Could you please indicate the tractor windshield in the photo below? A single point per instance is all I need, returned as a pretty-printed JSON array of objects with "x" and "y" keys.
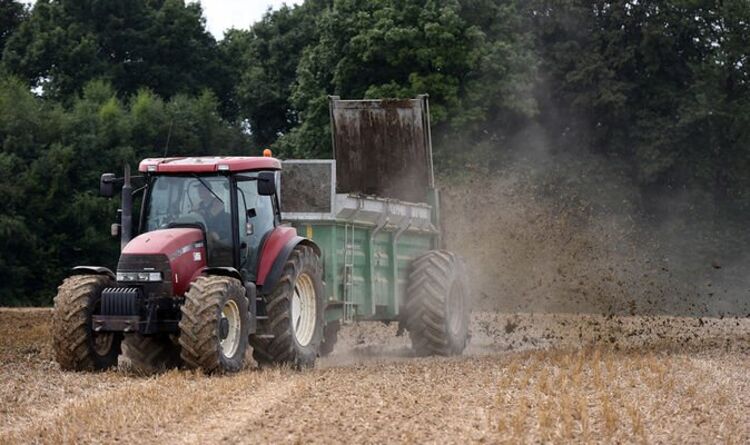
[{"x": 203, "y": 200}]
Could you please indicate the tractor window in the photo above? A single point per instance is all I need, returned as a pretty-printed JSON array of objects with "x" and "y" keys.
[
  {"x": 253, "y": 226},
  {"x": 204, "y": 200}
]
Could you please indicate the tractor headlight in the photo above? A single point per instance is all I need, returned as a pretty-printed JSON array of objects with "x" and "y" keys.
[
  {"x": 142, "y": 277},
  {"x": 127, "y": 276}
]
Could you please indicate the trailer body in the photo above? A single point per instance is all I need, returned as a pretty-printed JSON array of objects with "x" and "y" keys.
[{"x": 372, "y": 210}]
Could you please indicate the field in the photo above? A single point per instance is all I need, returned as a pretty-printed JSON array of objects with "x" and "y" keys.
[{"x": 525, "y": 378}]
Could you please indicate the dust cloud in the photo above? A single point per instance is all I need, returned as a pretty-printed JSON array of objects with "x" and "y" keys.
[{"x": 547, "y": 231}]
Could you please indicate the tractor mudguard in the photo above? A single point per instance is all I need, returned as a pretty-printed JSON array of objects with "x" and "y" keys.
[
  {"x": 95, "y": 270},
  {"x": 224, "y": 272},
  {"x": 275, "y": 253}
]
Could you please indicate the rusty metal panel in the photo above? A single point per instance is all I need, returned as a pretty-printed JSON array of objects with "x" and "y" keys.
[{"x": 383, "y": 147}]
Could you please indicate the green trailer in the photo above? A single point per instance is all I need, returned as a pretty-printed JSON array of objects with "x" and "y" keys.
[{"x": 374, "y": 213}]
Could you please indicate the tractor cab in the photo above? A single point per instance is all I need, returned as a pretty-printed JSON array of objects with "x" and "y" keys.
[{"x": 233, "y": 209}]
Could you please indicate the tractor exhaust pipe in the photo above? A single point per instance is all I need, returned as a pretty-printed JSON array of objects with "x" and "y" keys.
[{"x": 126, "y": 229}]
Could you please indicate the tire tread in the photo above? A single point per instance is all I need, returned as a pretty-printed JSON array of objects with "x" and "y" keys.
[{"x": 430, "y": 283}]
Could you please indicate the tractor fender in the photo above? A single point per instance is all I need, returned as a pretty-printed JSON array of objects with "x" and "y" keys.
[
  {"x": 275, "y": 253},
  {"x": 93, "y": 270},
  {"x": 230, "y": 272}
]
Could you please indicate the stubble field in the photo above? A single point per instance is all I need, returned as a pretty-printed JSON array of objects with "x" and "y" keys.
[{"x": 525, "y": 378}]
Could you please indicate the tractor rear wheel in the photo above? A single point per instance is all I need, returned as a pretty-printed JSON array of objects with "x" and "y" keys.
[
  {"x": 437, "y": 315},
  {"x": 295, "y": 313},
  {"x": 151, "y": 354},
  {"x": 215, "y": 324},
  {"x": 77, "y": 347}
]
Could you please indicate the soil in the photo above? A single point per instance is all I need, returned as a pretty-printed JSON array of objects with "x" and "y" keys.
[{"x": 524, "y": 378}]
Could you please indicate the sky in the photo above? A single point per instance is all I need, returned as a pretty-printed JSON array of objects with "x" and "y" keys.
[{"x": 224, "y": 14}]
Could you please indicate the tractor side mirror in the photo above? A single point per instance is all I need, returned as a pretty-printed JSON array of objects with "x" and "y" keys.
[
  {"x": 266, "y": 183},
  {"x": 107, "y": 185}
]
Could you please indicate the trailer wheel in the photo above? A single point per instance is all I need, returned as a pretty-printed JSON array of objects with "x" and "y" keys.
[
  {"x": 295, "y": 313},
  {"x": 436, "y": 308},
  {"x": 77, "y": 347},
  {"x": 150, "y": 354},
  {"x": 214, "y": 325},
  {"x": 330, "y": 337}
]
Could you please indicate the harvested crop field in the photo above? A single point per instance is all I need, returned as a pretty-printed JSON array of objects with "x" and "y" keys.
[{"x": 525, "y": 378}]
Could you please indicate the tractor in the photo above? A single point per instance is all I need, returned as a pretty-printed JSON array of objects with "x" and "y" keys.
[{"x": 214, "y": 264}]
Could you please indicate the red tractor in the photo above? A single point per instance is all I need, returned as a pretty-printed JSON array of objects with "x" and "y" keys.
[{"x": 186, "y": 289}]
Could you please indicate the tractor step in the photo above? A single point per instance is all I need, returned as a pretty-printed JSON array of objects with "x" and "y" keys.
[{"x": 265, "y": 336}]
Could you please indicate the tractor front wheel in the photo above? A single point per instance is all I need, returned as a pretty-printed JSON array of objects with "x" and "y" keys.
[
  {"x": 437, "y": 315},
  {"x": 295, "y": 313},
  {"x": 77, "y": 347},
  {"x": 215, "y": 324}
]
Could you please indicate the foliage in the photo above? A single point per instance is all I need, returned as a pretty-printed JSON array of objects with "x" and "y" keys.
[
  {"x": 50, "y": 163},
  {"x": 664, "y": 85},
  {"x": 157, "y": 44},
  {"x": 12, "y": 14},
  {"x": 473, "y": 58},
  {"x": 269, "y": 55}
]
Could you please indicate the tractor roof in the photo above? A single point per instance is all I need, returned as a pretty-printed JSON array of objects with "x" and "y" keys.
[{"x": 208, "y": 164}]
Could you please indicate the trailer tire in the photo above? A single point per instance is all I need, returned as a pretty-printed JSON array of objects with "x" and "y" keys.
[
  {"x": 209, "y": 301},
  {"x": 437, "y": 315},
  {"x": 150, "y": 354},
  {"x": 77, "y": 347},
  {"x": 330, "y": 338},
  {"x": 295, "y": 342}
]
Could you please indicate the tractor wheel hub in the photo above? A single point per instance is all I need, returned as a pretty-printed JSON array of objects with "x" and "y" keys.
[{"x": 223, "y": 328}]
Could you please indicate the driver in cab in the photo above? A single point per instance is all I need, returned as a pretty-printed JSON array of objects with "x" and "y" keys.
[{"x": 211, "y": 208}]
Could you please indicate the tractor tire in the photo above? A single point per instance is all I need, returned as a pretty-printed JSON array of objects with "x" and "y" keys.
[
  {"x": 437, "y": 315},
  {"x": 77, "y": 347},
  {"x": 151, "y": 354},
  {"x": 214, "y": 326},
  {"x": 330, "y": 337},
  {"x": 295, "y": 314}
]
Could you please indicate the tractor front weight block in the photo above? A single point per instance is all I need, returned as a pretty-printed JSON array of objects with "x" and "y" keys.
[{"x": 125, "y": 309}]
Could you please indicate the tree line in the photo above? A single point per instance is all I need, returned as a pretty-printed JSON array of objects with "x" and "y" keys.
[{"x": 661, "y": 88}]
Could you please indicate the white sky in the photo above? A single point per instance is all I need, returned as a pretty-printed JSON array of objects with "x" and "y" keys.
[{"x": 224, "y": 14}]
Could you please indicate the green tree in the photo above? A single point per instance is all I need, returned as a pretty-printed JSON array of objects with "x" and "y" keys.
[
  {"x": 663, "y": 85},
  {"x": 270, "y": 53},
  {"x": 12, "y": 13},
  {"x": 157, "y": 44},
  {"x": 51, "y": 159},
  {"x": 474, "y": 70}
]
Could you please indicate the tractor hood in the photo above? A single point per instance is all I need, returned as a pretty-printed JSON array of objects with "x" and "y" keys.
[
  {"x": 179, "y": 254},
  {"x": 164, "y": 241}
]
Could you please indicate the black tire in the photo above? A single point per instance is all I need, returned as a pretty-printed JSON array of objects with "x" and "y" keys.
[
  {"x": 437, "y": 315},
  {"x": 284, "y": 347},
  {"x": 330, "y": 337},
  {"x": 77, "y": 347},
  {"x": 151, "y": 354},
  {"x": 201, "y": 325}
]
